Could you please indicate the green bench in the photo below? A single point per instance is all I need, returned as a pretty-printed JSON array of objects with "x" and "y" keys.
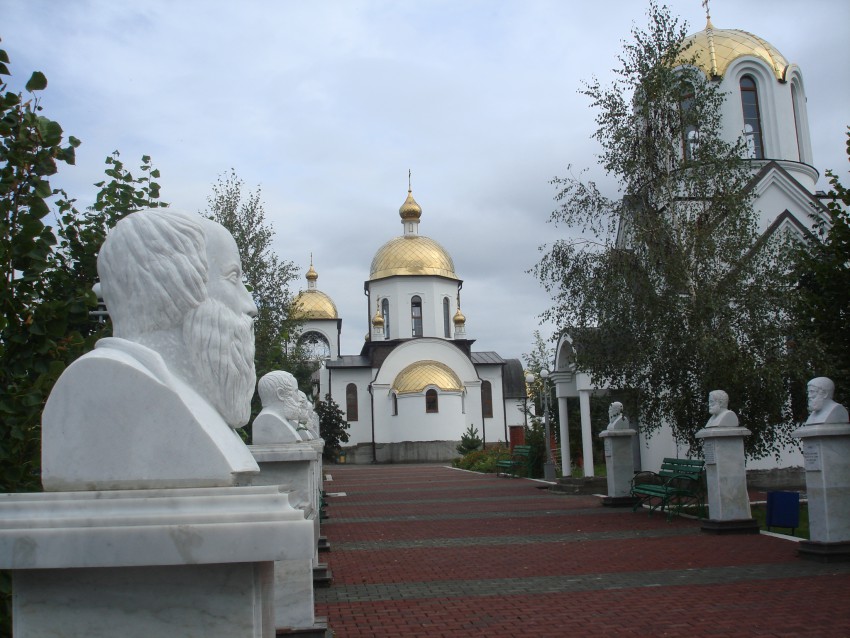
[
  {"x": 678, "y": 484},
  {"x": 516, "y": 458}
]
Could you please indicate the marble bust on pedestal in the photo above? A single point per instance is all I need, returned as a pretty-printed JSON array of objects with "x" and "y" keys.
[
  {"x": 616, "y": 420},
  {"x": 278, "y": 420},
  {"x": 718, "y": 407},
  {"x": 822, "y": 409},
  {"x": 157, "y": 404}
]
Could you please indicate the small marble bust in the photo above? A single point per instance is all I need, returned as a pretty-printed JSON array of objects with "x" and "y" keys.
[
  {"x": 822, "y": 409},
  {"x": 304, "y": 417},
  {"x": 718, "y": 408},
  {"x": 616, "y": 420},
  {"x": 277, "y": 422}
]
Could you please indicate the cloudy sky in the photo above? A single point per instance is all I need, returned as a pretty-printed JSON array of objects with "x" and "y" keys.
[{"x": 326, "y": 105}]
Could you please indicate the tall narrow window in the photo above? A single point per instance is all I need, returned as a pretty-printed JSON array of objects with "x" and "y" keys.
[
  {"x": 416, "y": 315},
  {"x": 351, "y": 402},
  {"x": 752, "y": 118},
  {"x": 795, "y": 104},
  {"x": 446, "y": 319},
  {"x": 431, "y": 403},
  {"x": 690, "y": 135},
  {"x": 385, "y": 314},
  {"x": 395, "y": 404},
  {"x": 486, "y": 400}
]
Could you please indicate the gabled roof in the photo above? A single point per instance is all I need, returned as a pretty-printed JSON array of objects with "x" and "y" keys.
[{"x": 485, "y": 358}]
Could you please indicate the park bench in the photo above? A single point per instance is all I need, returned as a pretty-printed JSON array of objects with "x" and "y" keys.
[
  {"x": 678, "y": 484},
  {"x": 516, "y": 458}
]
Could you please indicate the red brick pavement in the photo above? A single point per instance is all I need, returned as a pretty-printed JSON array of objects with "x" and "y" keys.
[{"x": 426, "y": 551}]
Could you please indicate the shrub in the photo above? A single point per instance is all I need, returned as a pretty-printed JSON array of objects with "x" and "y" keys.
[
  {"x": 469, "y": 441},
  {"x": 481, "y": 460}
]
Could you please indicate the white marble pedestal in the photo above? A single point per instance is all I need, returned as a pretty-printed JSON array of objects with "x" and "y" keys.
[
  {"x": 826, "y": 451},
  {"x": 726, "y": 478},
  {"x": 295, "y": 467},
  {"x": 195, "y": 562},
  {"x": 620, "y": 467}
]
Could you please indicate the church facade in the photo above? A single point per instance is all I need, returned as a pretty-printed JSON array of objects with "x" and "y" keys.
[
  {"x": 766, "y": 103},
  {"x": 417, "y": 385}
]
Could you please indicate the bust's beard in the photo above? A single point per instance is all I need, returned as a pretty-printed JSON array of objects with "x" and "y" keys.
[{"x": 221, "y": 346}]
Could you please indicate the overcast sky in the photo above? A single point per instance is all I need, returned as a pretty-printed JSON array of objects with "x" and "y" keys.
[{"x": 326, "y": 105}]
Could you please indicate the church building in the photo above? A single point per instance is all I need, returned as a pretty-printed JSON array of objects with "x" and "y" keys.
[
  {"x": 766, "y": 103},
  {"x": 416, "y": 385}
]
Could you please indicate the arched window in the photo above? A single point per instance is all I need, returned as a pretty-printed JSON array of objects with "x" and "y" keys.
[
  {"x": 351, "y": 402},
  {"x": 395, "y": 404},
  {"x": 385, "y": 313},
  {"x": 446, "y": 319},
  {"x": 752, "y": 118},
  {"x": 416, "y": 315},
  {"x": 431, "y": 403},
  {"x": 690, "y": 135},
  {"x": 486, "y": 400},
  {"x": 315, "y": 346}
]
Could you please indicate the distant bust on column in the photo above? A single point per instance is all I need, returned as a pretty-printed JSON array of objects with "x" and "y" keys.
[
  {"x": 616, "y": 420},
  {"x": 278, "y": 420},
  {"x": 822, "y": 409},
  {"x": 718, "y": 408},
  {"x": 157, "y": 404}
]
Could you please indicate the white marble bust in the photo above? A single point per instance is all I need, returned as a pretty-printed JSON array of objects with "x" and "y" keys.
[
  {"x": 822, "y": 409},
  {"x": 304, "y": 418},
  {"x": 718, "y": 408},
  {"x": 278, "y": 420},
  {"x": 157, "y": 404},
  {"x": 616, "y": 420}
]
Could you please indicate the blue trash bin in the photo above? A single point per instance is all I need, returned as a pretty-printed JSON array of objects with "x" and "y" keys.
[{"x": 783, "y": 510}]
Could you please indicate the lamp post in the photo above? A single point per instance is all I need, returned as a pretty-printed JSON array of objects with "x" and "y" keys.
[
  {"x": 548, "y": 465},
  {"x": 529, "y": 379}
]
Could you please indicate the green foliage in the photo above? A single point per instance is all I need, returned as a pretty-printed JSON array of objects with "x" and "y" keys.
[
  {"x": 48, "y": 273},
  {"x": 661, "y": 289},
  {"x": 469, "y": 441},
  {"x": 823, "y": 312},
  {"x": 535, "y": 436},
  {"x": 267, "y": 276},
  {"x": 481, "y": 460},
  {"x": 333, "y": 427}
]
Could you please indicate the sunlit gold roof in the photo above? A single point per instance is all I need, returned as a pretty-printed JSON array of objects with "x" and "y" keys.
[
  {"x": 313, "y": 304},
  {"x": 418, "y": 376},
  {"x": 716, "y": 49},
  {"x": 412, "y": 255}
]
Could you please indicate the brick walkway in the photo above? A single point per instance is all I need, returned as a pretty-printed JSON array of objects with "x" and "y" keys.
[{"x": 425, "y": 550}]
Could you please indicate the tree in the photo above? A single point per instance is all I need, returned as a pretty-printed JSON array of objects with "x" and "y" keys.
[
  {"x": 469, "y": 441},
  {"x": 267, "y": 276},
  {"x": 332, "y": 426},
  {"x": 823, "y": 310},
  {"x": 663, "y": 291}
]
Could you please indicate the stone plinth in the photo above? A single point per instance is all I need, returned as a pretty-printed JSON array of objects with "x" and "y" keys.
[
  {"x": 140, "y": 563},
  {"x": 826, "y": 450},
  {"x": 726, "y": 478},
  {"x": 620, "y": 467}
]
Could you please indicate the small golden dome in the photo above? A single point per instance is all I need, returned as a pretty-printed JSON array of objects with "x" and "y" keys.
[
  {"x": 410, "y": 209},
  {"x": 412, "y": 255},
  {"x": 459, "y": 318},
  {"x": 312, "y": 275},
  {"x": 313, "y": 304},
  {"x": 715, "y": 49},
  {"x": 377, "y": 320},
  {"x": 418, "y": 376}
]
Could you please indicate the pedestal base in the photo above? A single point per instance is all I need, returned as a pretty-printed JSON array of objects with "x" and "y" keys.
[
  {"x": 324, "y": 544},
  {"x": 620, "y": 501},
  {"x": 322, "y": 576},
  {"x": 825, "y": 552},
  {"x": 318, "y": 630},
  {"x": 740, "y": 526}
]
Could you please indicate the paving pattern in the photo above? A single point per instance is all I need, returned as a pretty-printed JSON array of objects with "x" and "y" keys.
[{"x": 430, "y": 551}]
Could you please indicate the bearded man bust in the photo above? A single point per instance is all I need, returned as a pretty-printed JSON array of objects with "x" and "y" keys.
[{"x": 157, "y": 404}]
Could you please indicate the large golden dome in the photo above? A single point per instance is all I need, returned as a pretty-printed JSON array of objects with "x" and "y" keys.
[
  {"x": 418, "y": 376},
  {"x": 412, "y": 255},
  {"x": 716, "y": 49},
  {"x": 313, "y": 304}
]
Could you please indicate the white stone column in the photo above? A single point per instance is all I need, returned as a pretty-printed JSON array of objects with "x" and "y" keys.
[
  {"x": 826, "y": 451},
  {"x": 564, "y": 423},
  {"x": 726, "y": 478},
  {"x": 586, "y": 435},
  {"x": 620, "y": 467}
]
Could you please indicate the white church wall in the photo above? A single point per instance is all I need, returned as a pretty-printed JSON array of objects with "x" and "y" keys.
[
  {"x": 413, "y": 423},
  {"x": 359, "y": 431},
  {"x": 400, "y": 291},
  {"x": 495, "y": 426}
]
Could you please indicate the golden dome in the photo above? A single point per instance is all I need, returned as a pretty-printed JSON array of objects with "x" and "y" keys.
[
  {"x": 312, "y": 275},
  {"x": 377, "y": 320},
  {"x": 410, "y": 209},
  {"x": 313, "y": 304},
  {"x": 716, "y": 49},
  {"x": 459, "y": 318},
  {"x": 412, "y": 255},
  {"x": 418, "y": 376}
]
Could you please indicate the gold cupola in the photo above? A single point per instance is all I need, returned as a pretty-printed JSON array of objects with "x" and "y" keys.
[
  {"x": 715, "y": 49},
  {"x": 313, "y": 303},
  {"x": 419, "y": 375},
  {"x": 411, "y": 253}
]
